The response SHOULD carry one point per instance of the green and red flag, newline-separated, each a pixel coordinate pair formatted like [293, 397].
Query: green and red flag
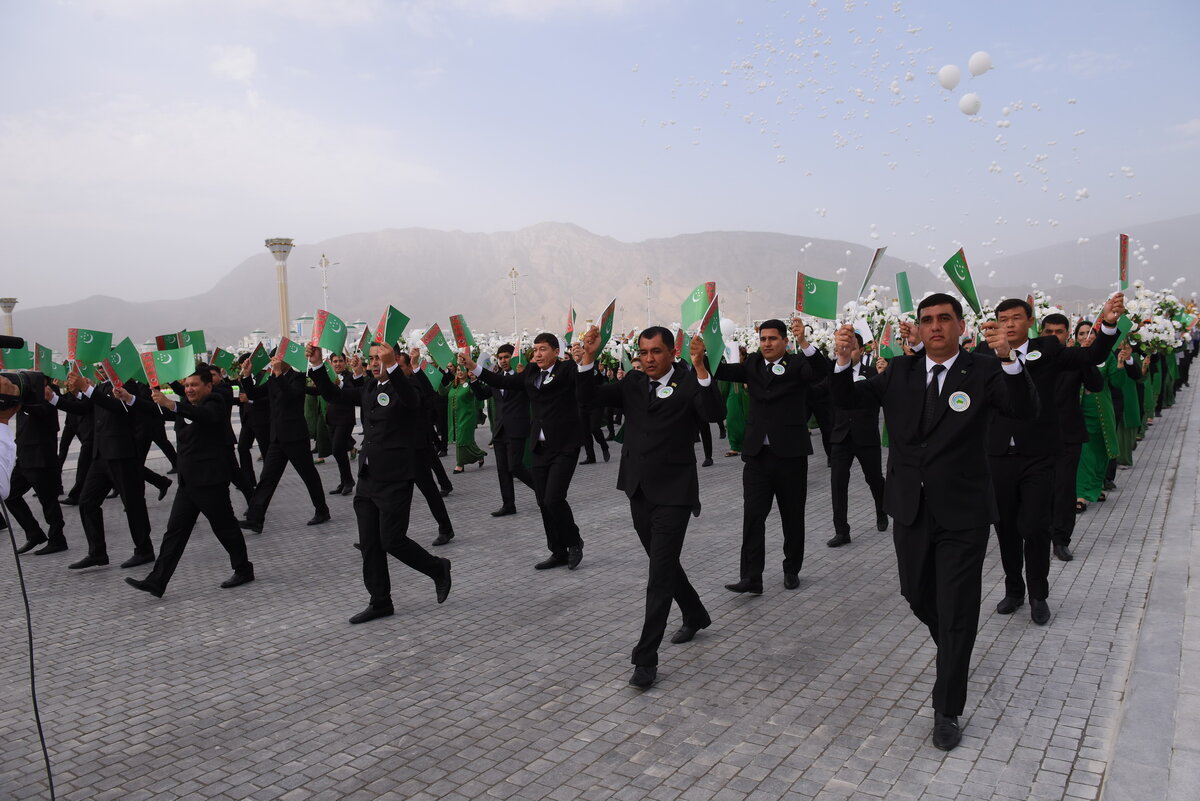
[292, 353]
[710, 332]
[606, 323]
[195, 339]
[571, 316]
[222, 359]
[1123, 263]
[432, 372]
[162, 367]
[259, 359]
[169, 341]
[463, 337]
[439, 351]
[88, 346]
[960, 275]
[16, 359]
[43, 362]
[904, 294]
[519, 361]
[816, 297]
[691, 312]
[364, 342]
[329, 332]
[391, 326]
[889, 348]
[124, 363]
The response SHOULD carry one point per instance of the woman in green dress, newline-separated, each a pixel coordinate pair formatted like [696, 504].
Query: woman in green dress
[462, 416]
[1101, 426]
[737, 404]
[1125, 383]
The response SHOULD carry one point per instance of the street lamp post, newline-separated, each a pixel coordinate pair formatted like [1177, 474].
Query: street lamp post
[324, 264]
[513, 275]
[7, 305]
[280, 248]
[648, 283]
[749, 319]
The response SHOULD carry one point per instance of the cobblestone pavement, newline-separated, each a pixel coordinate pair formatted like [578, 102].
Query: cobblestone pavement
[517, 686]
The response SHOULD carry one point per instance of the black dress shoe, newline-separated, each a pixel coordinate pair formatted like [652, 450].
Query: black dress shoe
[30, 545]
[162, 491]
[348, 489]
[1008, 605]
[442, 583]
[607, 455]
[553, 561]
[447, 490]
[371, 613]
[686, 633]
[838, 540]
[51, 547]
[112, 494]
[589, 461]
[752, 586]
[337, 490]
[88, 561]
[1063, 552]
[504, 511]
[443, 537]
[791, 581]
[707, 462]
[318, 519]
[1039, 611]
[237, 580]
[643, 676]
[172, 471]
[247, 525]
[946, 734]
[145, 586]
[70, 500]
[1109, 484]
[574, 556]
[881, 521]
[138, 559]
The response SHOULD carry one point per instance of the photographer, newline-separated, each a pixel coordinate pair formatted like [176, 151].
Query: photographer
[8, 445]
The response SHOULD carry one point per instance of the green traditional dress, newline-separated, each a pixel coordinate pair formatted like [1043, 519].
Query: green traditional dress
[462, 415]
[1102, 437]
[318, 430]
[737, 404]
[1131, 413]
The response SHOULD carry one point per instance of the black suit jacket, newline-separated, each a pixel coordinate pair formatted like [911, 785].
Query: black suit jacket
[857, 426]
[778, 407]
[1066, 397]
[37, 436]
[202, 436]
[114, 425]
[388, 410]
[947, 465]
[1041, 435]
[659, 455]
[554, 406]
[286, 395]
[512, 409]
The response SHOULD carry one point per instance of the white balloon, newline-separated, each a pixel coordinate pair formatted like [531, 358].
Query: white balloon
[949, 76]
[980, 63]
[969, 104]
[728, 328]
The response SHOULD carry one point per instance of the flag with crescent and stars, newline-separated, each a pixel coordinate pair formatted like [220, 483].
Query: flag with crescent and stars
[16, 359]
[960, 275]
[43, 362]
[163, 367]
[391, 326]
[606, 323]
[463, 337]
[439, 351]
[88, 346]
[329, 332]
[816, 297]
[124, 363]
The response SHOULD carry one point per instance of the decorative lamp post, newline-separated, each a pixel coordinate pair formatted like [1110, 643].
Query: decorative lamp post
[6, 305]
[513, 275]
[749, 319]
[280, 248]
[324, 264]
[648, 283]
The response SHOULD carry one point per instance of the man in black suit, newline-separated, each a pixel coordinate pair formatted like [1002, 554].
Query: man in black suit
[554, 434]
[855, 435]
[1073, 433]
[255, 417]
[776, 447]
[938, 492]
[663, 404]
[422, 440]
[149, 429]
[81, 426]
[1023, 453]
[205, 470]
[116, 463]
[386, 466]
[289, 442]
[510, 433]
[341, 421]
[38, 469]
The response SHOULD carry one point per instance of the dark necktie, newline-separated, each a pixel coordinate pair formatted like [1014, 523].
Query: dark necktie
[930, 413]
[654, 385]
[541, 379]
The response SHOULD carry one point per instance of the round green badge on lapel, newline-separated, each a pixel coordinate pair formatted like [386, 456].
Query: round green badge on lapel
[777, 369]
[383, 399]
[960, 401]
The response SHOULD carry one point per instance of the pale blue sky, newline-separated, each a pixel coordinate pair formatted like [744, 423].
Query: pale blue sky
[163, 141]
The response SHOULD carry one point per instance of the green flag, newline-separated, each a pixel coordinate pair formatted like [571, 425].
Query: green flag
[1124, 326]
[960, 276]
[463, 337]
[1123, 263]
[329, 332]
[44, 363]
[124, 363]
[259, 360]
[432, 372]
[816, 296]
[16, 359]
[710, 331]
[626, 362]
[364, 342]
[606, 323]
[889, 348]
[292, 353]
[195, 339]
[222, 359]
[164, 366]
[87, 346]
[519, 361]
[570, 334]
[439, 351]
[169, 341]
[691, 312]
[391, 326]
[904, 294]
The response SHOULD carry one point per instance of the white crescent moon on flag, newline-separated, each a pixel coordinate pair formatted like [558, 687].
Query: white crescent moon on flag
[335, 326]
[812, 288]
[960, 272]
[164, 358]
[86, 337]
[114, 358]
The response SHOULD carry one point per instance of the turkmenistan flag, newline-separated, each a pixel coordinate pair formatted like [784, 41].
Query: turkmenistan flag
[195, 339]
[364, 342]
[606, 323]
[165, 366]
[169, 341]
[329, 332]
[124, 363]
[88, 346]
[519, 361]
[710, 331]
[463, 337]
[222, 358]
[432, 372]
[889, 348]
[571, 316]
[904, 294]
[259, 359]
[43, 362]
[691, 312]
[439, 351]
[816, 296]
[1123, 264]
[16, 359]
[391, 326]
[960, 276]
[1124, 326]
[292, 353]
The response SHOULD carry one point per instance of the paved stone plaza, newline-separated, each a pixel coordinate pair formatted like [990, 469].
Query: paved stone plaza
[517, 686]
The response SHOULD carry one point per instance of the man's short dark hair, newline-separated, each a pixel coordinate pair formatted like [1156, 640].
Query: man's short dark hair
[773, 323]
[1081, 324]
[1056, 319]
[658, 331]
[549, 339]
[204, 373]
[858, 337]
[403, 358]
[505, 348]
[1013, 303]
[940, 299]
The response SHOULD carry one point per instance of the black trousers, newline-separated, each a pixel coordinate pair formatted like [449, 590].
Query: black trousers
[821, 411]
[278, 456]
[552, 472]
[941, 577]
[706, 439]
[510, 464]
[767, 477]
[82, 465]
[1062, 515]
[70, 431]
[589, 421]
[45, 481]
[842, 456]
[1025, 494]
[149, 476]
[126, 476]
[189, 504]
[159, 437]
[661, 530]
[339, 434]
[382, 512]
[247, 437]
[435, 465]
[425, 459]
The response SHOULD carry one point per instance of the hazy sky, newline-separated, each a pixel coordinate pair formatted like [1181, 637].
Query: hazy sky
[149, 146]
